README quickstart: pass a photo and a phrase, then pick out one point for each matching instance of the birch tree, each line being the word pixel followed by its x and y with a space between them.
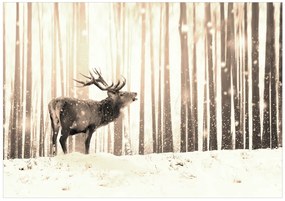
pixel 82 61
pixel 16 101
pixel 256 137
pixel 160 113
pixel 151 35
pixel 246 77
pixel 118 124
pixel 167 125
pixel 142 84
pixel 226 76
pixel 41 139
pixel 184 71
pixel 211 81
pixel 4 82
pixel 280 79
pixel 193 139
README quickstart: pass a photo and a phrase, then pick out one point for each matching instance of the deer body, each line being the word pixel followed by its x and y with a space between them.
pixel 85 116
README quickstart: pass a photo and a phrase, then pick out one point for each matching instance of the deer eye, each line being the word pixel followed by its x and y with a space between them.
pixel 121 94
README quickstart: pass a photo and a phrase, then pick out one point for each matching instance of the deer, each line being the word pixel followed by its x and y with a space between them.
pixel 76 116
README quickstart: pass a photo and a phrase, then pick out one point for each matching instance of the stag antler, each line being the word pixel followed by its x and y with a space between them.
pixel 93 80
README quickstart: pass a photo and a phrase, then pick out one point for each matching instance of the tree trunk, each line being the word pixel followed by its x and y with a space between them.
pixel 70 68
pixel 118 124
pixel 212 86
pixel 269 137
pixel 142 85
pixel 273 79
pixel 236 69
pixel 60 48
pixel 4 86
pixel 41 140
pixel 194 136
pixel 184 72
pixel 280 81
pixel 246 77
pixel 16 102
pixel 110 143
pixel 28 130
pixel 53 69
pixel 226 77
pixel 21 88
pixel 20 98
pixel 256 137
pixel 82 63
pixel 151 35
pixel 128 142
pixel 159 120
pixel 205 103
pixel 167 125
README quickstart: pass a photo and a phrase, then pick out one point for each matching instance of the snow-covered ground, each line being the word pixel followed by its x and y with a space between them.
pixel 240 173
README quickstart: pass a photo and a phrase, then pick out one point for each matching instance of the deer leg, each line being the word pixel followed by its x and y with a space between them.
pixel 87 141
pixel 63 138
pixel 55 130
pixel 54 144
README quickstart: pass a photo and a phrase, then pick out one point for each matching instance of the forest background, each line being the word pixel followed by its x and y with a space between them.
pixel 208 75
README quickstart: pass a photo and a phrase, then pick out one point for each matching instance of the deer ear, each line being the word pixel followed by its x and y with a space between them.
pixel 111 94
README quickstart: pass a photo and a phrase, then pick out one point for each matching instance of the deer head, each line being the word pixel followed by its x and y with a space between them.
pixel 122 98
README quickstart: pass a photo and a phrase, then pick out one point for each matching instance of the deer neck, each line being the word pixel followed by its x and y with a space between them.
pixel 110 110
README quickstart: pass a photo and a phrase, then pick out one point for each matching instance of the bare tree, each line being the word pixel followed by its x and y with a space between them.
pixel 41 139
pixel 82 60
pixel 4 82
pixel 235 86
pixel 256 137
pixel 273 78
pixel 70 67
pixel 246 82
pixel 151 35
pixel 58 31
pixel 21 88
pixel 118 124
pixel 142 85
pixel 28 116
pixel 16 101
pixel 167 125
pixel 205 103
pixel 226 76
pixel 193 138
pixel 206 127
pixel 184 72
pixel 159 115
pixel 269 136
pixel 280 81
pixel 21 85
pixel 212 86
pixel 110 144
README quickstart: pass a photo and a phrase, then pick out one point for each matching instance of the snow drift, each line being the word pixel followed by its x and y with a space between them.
pixel 238 173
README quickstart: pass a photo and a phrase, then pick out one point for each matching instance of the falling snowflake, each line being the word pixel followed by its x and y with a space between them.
pixel 184 28
pixel 84 33
pixel 142 11
pixel 209 24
